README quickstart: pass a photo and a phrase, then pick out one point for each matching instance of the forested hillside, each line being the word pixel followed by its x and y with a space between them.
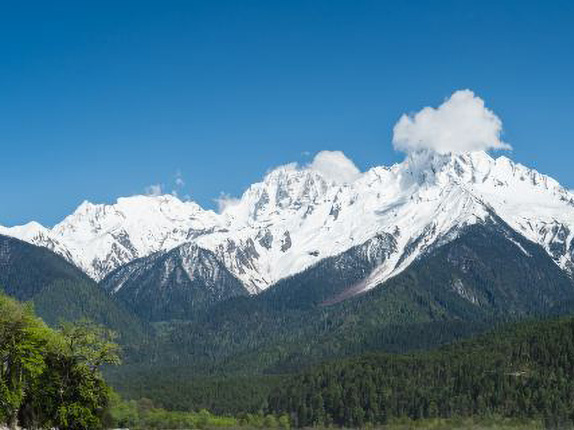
pixel 239 355
pixel 462 288
pixel 525 370
pixel 457 289
pixel 60 291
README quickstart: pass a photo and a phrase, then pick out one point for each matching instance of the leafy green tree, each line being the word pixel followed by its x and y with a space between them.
pixel 270 422
pixel 284 422
pixel 71 394
pixel 23 337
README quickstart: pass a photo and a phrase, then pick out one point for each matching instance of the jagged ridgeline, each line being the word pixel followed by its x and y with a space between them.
pixel 297 216
pixel 173 285
pixel 59 290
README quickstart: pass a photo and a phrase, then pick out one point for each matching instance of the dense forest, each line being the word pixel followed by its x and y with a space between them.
pixel 519 376
pixel 290 356
pixel 290 327
pixel 522 371
pixel 51 378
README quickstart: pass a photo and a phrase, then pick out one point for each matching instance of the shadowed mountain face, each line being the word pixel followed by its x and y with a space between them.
pixel 485 275
pixel 59 290
pixel 173 285
pixel 25 270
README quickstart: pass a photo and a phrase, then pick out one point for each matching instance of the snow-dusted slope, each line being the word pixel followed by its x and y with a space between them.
pixel 99 238
pixel 37 234
pixel 296 216
pixel 173 284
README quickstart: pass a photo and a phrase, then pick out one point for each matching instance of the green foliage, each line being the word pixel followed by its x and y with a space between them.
pixel 62 292
pixel 181 389
pixel 22 339
pixel 64 300
pixel 458 423
pixel 143 414
pixel 525 372
pixel 88 343
pixel 52 379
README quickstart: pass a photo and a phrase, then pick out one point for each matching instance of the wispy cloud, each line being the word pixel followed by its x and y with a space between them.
pixel 154 190
pixel 179 182
pixel 178 185
pixel 225 201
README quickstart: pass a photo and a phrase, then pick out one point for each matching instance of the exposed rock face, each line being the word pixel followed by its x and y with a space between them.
pixel 296 217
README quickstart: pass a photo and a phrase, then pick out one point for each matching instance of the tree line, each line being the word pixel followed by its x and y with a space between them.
pixel 526 371
pixel 52 378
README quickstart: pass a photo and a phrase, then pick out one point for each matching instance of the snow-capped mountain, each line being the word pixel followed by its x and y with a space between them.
pixel 99 238
pixel 298 216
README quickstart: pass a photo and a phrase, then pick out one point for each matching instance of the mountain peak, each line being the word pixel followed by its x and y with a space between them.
pixel 296 216
pixel 286 188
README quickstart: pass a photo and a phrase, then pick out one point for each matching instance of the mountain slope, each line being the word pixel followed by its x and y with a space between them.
pixel 26 269
pixel 523 371
pixel 486 274
pixel 296 217
pixel 59 290
pixel 174 284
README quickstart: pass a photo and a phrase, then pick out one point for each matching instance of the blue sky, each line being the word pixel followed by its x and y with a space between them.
pixel 101 99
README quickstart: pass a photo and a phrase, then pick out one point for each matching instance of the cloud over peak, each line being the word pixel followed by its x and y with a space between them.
pixel 461 124
pixel 335 166
pixel 154 190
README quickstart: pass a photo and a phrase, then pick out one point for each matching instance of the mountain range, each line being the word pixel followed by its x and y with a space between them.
pixel 305 266
pixel 297 217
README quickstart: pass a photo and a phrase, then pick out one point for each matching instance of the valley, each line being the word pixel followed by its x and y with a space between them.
pixel 304 274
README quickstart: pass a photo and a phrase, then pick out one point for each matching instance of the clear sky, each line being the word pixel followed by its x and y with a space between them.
pixel 102 99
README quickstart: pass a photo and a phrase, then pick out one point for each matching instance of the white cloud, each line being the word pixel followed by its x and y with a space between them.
pixel 179 182
pixel 225 201
pixel 178 185
pixel 461 124
pixel 332 165
pixel 154 190
pixel 335 166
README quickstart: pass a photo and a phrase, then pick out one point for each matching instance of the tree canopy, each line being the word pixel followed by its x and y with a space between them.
pixel 51 378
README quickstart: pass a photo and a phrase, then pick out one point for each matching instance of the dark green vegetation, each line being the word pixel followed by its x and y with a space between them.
pixel 230 356
pixel 144 415
pixel 458 290
pixel 525 370
pixel 60 291
pixel 51 379
pixel 182 390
